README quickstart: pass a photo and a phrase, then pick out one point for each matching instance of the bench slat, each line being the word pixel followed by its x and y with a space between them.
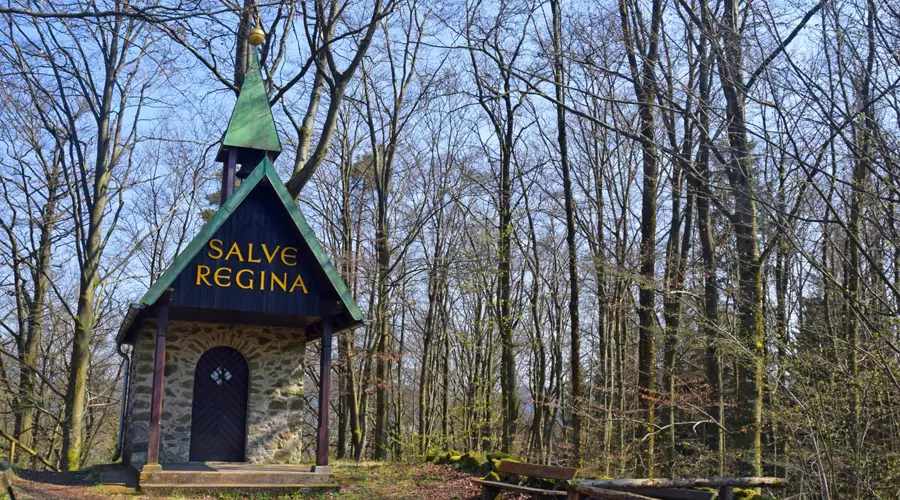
pixel 605 494
pixel 672 493
pixel 535 470
pixel 521 489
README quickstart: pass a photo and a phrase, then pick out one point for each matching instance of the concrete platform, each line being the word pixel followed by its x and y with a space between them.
pixel 213 477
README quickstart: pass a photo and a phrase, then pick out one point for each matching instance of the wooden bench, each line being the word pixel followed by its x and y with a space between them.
pixel 6 481
pixel 490 489
pixel 666 489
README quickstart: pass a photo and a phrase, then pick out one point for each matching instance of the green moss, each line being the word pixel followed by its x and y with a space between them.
pixel 431 456
pixel 491 476
pixel 471 462
pixel 542 483
pixel 448 457
pixel 744 494
pixel 293 391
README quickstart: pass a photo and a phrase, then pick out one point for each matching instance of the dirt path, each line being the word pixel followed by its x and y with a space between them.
pixel 67 485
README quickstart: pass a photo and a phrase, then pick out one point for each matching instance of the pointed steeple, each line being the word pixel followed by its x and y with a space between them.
pixel 251 131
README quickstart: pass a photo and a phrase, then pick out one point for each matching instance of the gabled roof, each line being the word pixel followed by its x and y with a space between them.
pixel 264 172
pixel 252 125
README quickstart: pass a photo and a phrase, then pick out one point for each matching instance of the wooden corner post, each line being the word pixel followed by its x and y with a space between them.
pixel 159 368
pixel 228 172
pixel 324 394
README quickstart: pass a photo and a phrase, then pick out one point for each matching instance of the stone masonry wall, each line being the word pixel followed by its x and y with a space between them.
pixel 275 359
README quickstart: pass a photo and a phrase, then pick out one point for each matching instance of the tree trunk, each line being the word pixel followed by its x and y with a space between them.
pixel 644 79
pixel 575 348
pixel 748 413
pixel 29 344
pixel 710 323
pixel 864 132
pixel 91 253
pixel 507 359
pixel 382 326
pixel 242 43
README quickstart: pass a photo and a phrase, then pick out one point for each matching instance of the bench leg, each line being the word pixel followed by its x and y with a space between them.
pixel 488 493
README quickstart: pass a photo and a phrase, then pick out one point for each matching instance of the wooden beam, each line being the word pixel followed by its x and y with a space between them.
pixel 14 442
pixel 159 369
pixel 712 482
pixel 536 470
pixel 534 492
pixel 605 494
pixel 673 493
pixel 324 394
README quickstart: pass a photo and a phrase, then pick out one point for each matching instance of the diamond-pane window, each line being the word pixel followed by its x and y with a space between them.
pixel 220 375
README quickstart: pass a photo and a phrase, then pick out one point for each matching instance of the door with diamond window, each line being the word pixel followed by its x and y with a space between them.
pixel 219 415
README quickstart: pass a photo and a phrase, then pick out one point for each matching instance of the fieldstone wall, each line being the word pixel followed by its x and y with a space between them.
pixel 275 357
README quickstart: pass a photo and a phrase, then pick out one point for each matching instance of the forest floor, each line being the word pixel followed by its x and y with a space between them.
pixel 359 481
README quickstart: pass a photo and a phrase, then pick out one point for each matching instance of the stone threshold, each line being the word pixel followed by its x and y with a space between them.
pixel 304 489
pixel 235 477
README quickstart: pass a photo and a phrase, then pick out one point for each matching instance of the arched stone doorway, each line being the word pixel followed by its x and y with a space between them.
pixel 219 414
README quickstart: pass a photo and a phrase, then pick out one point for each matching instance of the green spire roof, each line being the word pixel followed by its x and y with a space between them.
pixel 252 125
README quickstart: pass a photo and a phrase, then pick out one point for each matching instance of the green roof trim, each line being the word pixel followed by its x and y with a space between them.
pixel 265 170
pixel 252 124
pixel 310 237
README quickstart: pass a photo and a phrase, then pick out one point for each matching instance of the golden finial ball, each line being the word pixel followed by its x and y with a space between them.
pixel 257 36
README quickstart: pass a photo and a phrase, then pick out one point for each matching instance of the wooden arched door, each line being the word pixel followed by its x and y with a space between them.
pixel 219 416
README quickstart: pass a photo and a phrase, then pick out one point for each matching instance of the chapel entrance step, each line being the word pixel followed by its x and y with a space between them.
pixel 232 477
pixel 239 490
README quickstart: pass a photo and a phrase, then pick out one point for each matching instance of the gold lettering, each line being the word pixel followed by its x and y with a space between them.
pixel 237 279
pixel 217 246
pixel 250 254
pixel 202 273
pixel 262 280
pixel 227 276
pixel 271 256
pixel 299 282
pixel 235 249
pixel 274 279
pixel 289 253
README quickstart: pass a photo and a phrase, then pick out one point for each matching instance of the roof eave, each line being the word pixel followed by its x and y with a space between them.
pixel 128 322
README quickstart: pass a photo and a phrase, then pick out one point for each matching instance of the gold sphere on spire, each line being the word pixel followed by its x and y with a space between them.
pixel 257 36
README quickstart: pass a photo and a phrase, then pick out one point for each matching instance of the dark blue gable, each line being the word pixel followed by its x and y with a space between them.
pixel 256 262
